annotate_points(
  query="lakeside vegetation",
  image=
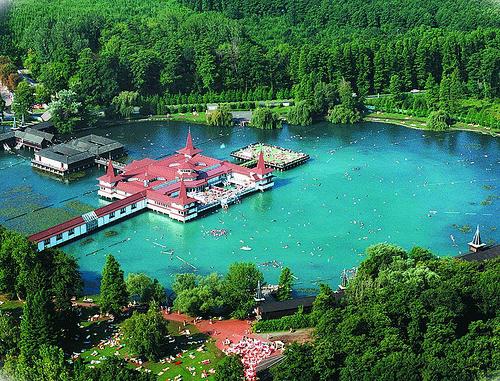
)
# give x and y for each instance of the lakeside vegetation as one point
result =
(170, 53)
(405, 315)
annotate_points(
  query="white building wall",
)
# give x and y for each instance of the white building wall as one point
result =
(82, 229)
(50, 162)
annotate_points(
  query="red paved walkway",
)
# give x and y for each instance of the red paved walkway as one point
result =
(220, 330)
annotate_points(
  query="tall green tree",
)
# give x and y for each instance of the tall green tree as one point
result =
(296, 365)
(37, 324)
(113, 293)
(396, 89)
(431, 93)
(239, 287)
(125, 102)
(145, 334)
(24, 97)
(285, 284)
(229, 369)
(301, 114)
(143, 289)
(265, 118)
(347, 111)
(65, 110)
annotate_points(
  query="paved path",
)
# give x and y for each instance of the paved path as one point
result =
(220, 330)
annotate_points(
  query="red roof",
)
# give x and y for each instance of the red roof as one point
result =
(110, 176)
(261, 166)
(189, 149)
(54, 230)
(187, 165)
(116, 205)
(78, 221)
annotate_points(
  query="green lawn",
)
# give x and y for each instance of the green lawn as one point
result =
(94, 332)
(420, 122)
(199, 118)
(10, 305)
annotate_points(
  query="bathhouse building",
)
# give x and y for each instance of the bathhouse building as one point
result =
(185, 184)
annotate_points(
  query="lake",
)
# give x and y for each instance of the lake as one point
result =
(364, 184)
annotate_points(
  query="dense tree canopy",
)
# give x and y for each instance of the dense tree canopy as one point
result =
(172, 54)
(145, 334)
(406, 316)
(113, 292)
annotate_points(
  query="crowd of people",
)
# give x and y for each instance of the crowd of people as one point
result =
(217, 194)
(252, 352)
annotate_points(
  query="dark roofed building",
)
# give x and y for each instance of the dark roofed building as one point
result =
(98, 146)
(34, 139)
(7, 139)
(275, 310)
(45, 127)
(62, 159)
(488, 252)
(76, 155)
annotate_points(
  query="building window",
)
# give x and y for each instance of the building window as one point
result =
(134, 206)
(46, 242)
(112, 215)
(123, 210)
(71, 232)
(59, 237)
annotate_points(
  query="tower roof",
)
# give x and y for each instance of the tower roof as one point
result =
(189, 150)
(476, 240)
(183, 197)
(110, 176)
(261, 166)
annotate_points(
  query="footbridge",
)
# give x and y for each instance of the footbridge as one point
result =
(88, 222)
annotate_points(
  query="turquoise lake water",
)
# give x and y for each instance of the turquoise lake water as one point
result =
(364, 184)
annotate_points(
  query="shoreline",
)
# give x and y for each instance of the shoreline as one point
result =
(422, 126)
(415, 124)
(371, 119)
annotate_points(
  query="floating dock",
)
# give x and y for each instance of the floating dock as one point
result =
(279, 158)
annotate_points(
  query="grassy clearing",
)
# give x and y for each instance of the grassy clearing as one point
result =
(184, 348)
(198, 118)
(421, 123)
(13, 306)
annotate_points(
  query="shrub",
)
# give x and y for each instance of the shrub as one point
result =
(439, 121)
(342, 114)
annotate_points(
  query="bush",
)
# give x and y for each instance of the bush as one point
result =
(342, 114)
(439, 121)
(301, 114)
(265, 118)
(296, 321)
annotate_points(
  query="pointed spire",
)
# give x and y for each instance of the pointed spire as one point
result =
(261, 169)
(476, 244)
(261, 165)
(111, 170)
(189, 140)
(189, 150)
(110, 176)
(476, 240)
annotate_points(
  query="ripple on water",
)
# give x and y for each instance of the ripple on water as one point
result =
(399, 185)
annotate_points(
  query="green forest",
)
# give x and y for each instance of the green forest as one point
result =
(197, 51)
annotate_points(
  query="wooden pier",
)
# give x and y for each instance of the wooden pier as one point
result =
(275, 157)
